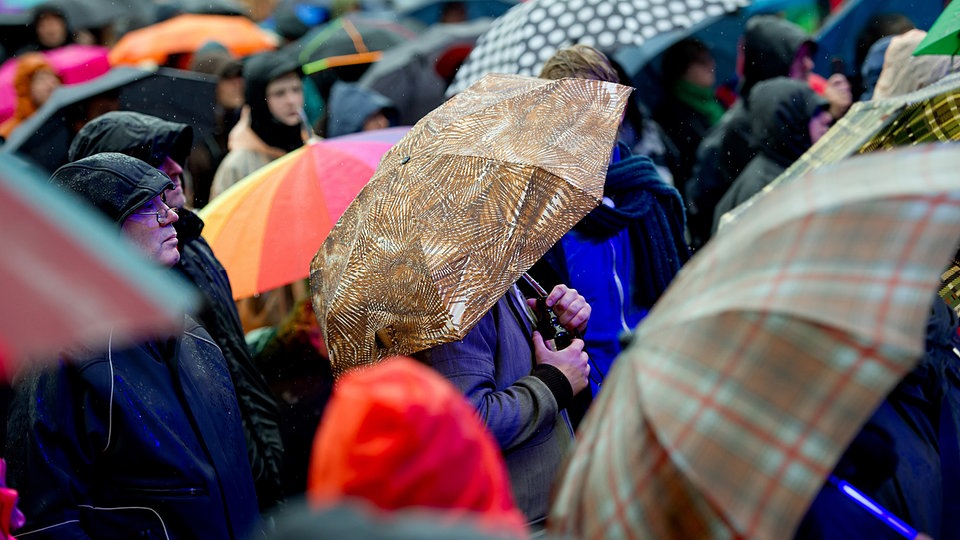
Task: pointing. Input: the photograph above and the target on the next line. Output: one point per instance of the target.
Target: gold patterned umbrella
(457, 210)
(931, 114)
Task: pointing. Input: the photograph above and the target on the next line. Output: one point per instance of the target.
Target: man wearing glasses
(141, 441)
(165, 145)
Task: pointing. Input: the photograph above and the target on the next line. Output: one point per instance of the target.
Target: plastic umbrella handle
(874, 508)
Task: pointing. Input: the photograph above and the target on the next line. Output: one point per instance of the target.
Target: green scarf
(699, 99)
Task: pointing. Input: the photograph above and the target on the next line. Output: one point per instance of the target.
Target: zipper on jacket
(167, 492)
(616, 279)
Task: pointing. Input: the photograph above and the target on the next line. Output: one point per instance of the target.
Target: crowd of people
(235, 427)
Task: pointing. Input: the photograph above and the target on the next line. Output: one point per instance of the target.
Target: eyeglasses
(161, 215)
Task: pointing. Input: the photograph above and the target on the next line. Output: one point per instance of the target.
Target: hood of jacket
(142, 136)
(350, 105)
(258, 71)
(116, 184)
(401, 436)
(770, 45)
(781, 109)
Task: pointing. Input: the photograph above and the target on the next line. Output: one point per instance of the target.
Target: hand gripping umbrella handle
(547, 323)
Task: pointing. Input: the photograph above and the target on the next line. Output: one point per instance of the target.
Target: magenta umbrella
(74, 63)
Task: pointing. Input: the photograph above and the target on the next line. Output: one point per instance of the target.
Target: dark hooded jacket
(259, 71)
(781, 110)
(907, 456)
(140, 441)
(770, 45)
(152, 139)
(46, 8)
(350, 105)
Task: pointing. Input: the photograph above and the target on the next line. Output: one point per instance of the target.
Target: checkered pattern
(931, 114)
(765, 355)
(524, 38)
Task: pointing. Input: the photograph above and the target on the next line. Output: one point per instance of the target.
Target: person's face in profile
(51, 31)
(150, 227)
(285, 99)
(175, 197)
(802, 64)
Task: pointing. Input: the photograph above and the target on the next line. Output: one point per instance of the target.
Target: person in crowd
(521, 388)
(215, 60)
(293, 359)
(132, 441)
(270, 125)
(689, 107)
(771, 47)
(352, 108)
(871, 67)
(903, 73)
(622, 256)
(432, 451)
(272, 122)
(34, 81)
(788, 117)
(51, 29)
(877, 27)
(166, 145)
(906, 456)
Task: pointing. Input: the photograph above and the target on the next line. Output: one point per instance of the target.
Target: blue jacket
(143, 442)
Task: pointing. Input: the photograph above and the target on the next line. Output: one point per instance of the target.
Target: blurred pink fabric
(74, 64)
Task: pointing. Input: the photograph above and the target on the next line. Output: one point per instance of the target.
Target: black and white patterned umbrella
(521, 40)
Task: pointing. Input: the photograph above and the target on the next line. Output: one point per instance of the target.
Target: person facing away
(623, 254)
(433, 452)
(788, 117)
(689, 108)
(270, 124)
(138, 441)
(34, 81)
(166, 145)
(771, 47)
(521, 388)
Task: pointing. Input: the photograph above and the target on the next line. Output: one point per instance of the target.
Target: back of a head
(770, 45)
(579, 62)
(903, 73)
(142, 136)
(349, 106)
(401, 436)
(115, 184)
(781, 109)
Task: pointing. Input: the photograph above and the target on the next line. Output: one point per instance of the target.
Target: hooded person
(271, 122)
(131, 441)
(788, 117)
(401, 436)
(903, 72)
(352, 108)
(34, 80)
(50, 27)
(166, 145)
(771, 47)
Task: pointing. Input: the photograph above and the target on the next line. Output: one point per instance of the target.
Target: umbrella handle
(873, 507)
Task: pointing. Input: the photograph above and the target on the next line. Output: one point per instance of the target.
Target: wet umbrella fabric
(766, 354)
(465, 203)
(68, 277)
(266, 228)
(944, 35)
(525, 37)
(429, 11)
(407, 74)
(174, 95)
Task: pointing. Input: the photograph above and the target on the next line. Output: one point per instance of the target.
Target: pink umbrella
(74, 63)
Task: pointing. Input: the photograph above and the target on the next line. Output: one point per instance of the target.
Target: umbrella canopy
(266, 228)
(175, 95)
(68, 276)
(429, 11)
(764, 357)
(525, 37)
(348, 41)
(187, 33)
(465, 203)
(74, 64)
(91, 14)
(927, 115)
(944, 35)
(407, 73)
(837, 37)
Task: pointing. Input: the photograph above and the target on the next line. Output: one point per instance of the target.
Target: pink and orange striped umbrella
(266, 228)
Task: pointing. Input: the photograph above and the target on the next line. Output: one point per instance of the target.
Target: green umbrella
(944, 35)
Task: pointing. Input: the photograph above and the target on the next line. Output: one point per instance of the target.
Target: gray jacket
(494, 367)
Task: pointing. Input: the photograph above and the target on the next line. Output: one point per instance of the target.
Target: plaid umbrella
(522, 39)
(465, 203)
(766, 354)
(931, 114)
